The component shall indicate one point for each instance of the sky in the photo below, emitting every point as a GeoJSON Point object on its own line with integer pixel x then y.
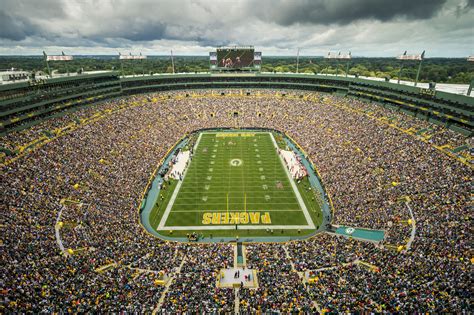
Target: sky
{"type": "Point", "coordinates": [372, 28]}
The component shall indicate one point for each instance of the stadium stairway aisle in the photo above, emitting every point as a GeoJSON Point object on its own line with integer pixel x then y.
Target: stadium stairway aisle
{"type": "Point", "coordinates": [237, 301]}
{"type": "Point", "coordinates": [168, 284]}
{"type": "Point", "coordinates": [300, 274]}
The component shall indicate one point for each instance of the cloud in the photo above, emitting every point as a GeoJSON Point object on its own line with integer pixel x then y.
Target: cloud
{"type": "Point", "coordinates": [138, 31]}
{"type": "Point", "coordinates": [14, 28]}
{"type": "Point", "coordinates": [366, 27]}
{"type": "Point", "coordinates": [342, 12]}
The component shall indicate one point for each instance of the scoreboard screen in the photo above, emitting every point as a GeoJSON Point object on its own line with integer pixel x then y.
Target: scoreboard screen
{"type": "Point", "coordinates": [235, 58]}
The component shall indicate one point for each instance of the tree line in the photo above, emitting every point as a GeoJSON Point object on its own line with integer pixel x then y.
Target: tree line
{"type": "Point", "coordinates": [441, 70]}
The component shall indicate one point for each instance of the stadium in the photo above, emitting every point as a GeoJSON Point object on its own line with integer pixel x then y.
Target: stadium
{"type": "Point", "coordinates": [234, 191]}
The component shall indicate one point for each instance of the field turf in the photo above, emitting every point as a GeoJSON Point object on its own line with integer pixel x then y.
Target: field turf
{"type": "Point", "coordinates": [237, 177]}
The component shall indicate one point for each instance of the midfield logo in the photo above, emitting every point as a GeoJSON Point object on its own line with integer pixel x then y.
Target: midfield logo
{"type": "Point", "coordinates": [236, 162]}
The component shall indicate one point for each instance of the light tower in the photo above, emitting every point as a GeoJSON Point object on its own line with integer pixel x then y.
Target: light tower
{"type": "Point", "coordinates": [297, 60]}
{"type": "Point", "coordinates": [62, 57]}
{"type": "Point", "coordinates": [340, 57]}
{"type": "Point", "coordinates": [172, 60]}
{"type": "Point", "coordinates": [130, 57]}
{"type": "Point", "coordinates": [403, 58]}
{"type": "Point", "coordinates": [471, 84]}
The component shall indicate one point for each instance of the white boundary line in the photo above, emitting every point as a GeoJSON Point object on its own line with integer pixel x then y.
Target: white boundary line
{"type": "Point", "coordinates": [164, 218]}
{"type": "Point", "coordinates": [310, 224]}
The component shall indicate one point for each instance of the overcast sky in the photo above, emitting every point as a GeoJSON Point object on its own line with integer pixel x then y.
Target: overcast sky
{"type": "Point", "coordinates": [444, 28]}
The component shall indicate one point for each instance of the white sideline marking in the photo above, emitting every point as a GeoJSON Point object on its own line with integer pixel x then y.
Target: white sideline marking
{"type": "Point", "coordinates": [175, 193]}
{"type": "Point", "coordinates": [295, 189]}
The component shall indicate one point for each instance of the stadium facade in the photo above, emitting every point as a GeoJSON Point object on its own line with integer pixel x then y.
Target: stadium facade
{"type": "Point", "coordinates": [28, 103]}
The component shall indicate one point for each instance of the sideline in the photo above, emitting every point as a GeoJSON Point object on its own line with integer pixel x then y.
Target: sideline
{"type": "Point", "coordinates": [164, 218]}
{"type": "Point", "coordinates": [295, 189]}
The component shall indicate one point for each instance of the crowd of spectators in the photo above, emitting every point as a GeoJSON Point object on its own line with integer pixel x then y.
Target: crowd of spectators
{"type": "Point", "coordinates": [373, 172]}
{"type": "Point", "coordinates": [194, 289]}
{"type": "Point", "coordinates": [280, 287]}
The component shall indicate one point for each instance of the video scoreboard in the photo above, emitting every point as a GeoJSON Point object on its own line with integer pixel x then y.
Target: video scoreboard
{"type": "Point", "coordinates": [235, 58]}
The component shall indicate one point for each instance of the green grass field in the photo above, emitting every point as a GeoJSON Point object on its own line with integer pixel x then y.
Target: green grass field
{"type": "Point", "coordinates": [236, 181]}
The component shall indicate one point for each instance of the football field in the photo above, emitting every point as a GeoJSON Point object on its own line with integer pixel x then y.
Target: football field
{"type": "Point", "coordinates": [235, 180]}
